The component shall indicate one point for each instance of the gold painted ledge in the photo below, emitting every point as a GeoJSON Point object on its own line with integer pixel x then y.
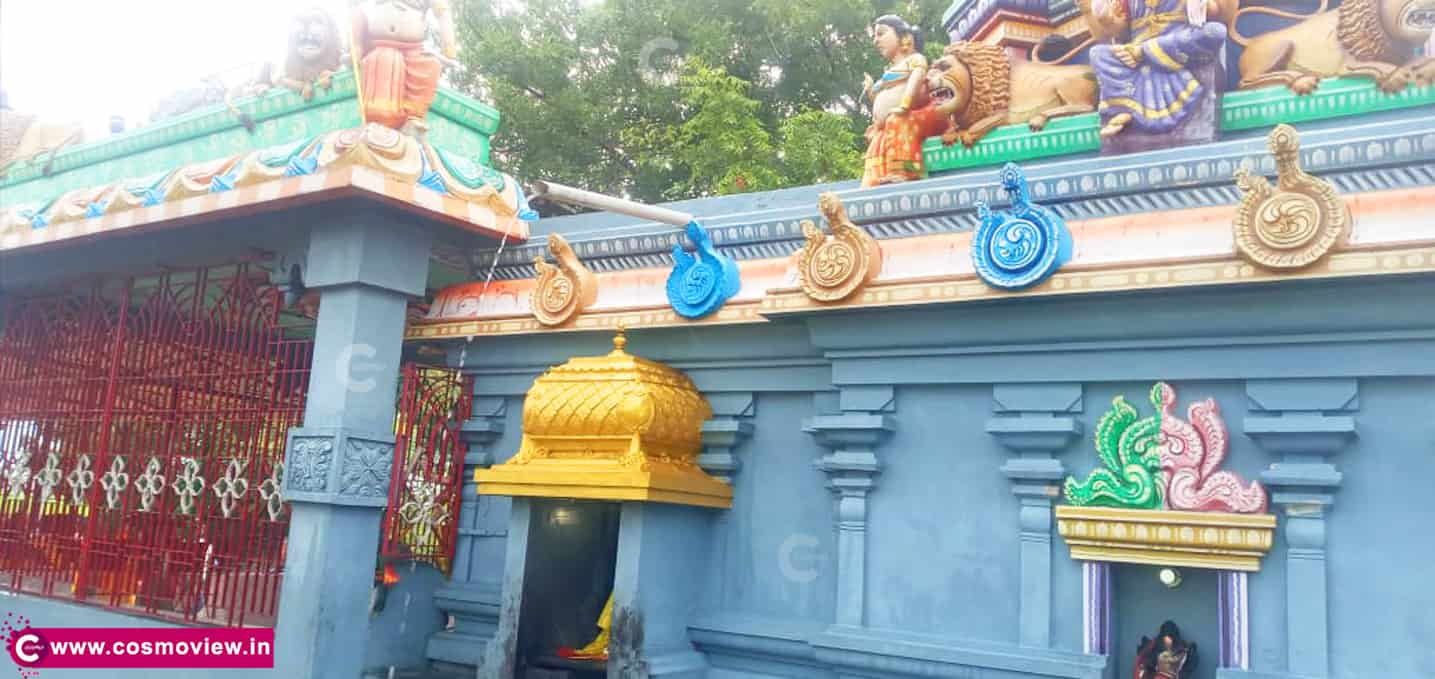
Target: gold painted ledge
{"type": "Point", "coordinates": [615, 427]}
{"type": "Point", "coordinates": [1233, 542]}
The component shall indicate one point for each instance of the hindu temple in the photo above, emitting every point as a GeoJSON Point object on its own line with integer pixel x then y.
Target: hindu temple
{"type": "Point", "coordinates": [1117, 360]}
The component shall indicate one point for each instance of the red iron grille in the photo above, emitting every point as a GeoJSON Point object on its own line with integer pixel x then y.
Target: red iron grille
{"type": "Point", "coordinates": [142, 433]}
{"type": "Point", "coordinates": [421, 523]}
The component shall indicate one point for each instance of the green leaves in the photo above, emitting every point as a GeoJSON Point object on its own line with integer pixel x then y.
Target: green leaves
{"type": "Point", "coordinates": [665, 99]}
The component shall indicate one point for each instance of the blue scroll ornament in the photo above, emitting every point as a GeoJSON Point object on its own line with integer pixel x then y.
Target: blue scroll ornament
{"type": "Point", "coordinates": [1023, 245]}
{"type": "Point", "coordinates": [699, 284]}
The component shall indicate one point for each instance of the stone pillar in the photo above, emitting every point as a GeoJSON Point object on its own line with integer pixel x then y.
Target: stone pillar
{"type": "Point", "coordinates": [656, 589]}
{"type": "Point", "coordinates": [1299, 420]}
{"type": "Point", "coordinates": [1034, 421]}
{"type": "Point", "coordinates": [338, 465]}
{"type": "Point", "coordinates": [500, 656]}
{"type": "Point", "coordinates": [852, 467]}
{"type": "Point", "coordinates": [474, 590]}
{"type": "Point", "coordinates": [729, 427]}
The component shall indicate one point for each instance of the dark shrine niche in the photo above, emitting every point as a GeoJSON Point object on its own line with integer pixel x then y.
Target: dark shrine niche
{"type": "Point", "coordinates": [1142, 603]}
{"type": "Point", "coordinates": [572, 551]}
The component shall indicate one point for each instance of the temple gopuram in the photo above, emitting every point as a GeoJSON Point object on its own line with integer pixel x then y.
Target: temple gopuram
{"type": "Point", "coordinates": [1117, 361]}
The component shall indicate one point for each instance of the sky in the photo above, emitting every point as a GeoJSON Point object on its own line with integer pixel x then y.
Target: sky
{"type": "Point", "coordinates": [85, 60]}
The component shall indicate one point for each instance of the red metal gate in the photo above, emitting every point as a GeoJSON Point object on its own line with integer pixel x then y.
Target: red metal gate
{"type": "Point", "coordinates": [142, 430]}
{"type": "Point", "coordinates": [421, 523]}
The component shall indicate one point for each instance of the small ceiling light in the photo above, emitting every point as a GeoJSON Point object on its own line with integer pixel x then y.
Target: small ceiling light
{"type": "Point", "coordinates": [1170, 577]}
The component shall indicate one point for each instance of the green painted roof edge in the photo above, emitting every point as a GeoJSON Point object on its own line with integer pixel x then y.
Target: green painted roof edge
{"type": "Point", "coordinates": [1241, 110]}
{"type": "Point", "coordinates": [211, 119]}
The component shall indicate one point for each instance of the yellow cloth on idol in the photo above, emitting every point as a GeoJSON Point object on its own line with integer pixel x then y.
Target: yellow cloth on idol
{"type": "Point", "coordinates": [598, 648]}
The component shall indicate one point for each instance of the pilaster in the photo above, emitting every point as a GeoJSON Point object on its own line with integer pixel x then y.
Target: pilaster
{"type": "Point", "coordinates": [338, 465]}
{"type": "Point", "coordinates": [1306, 422]}
{"type": "Point", "coordinates": [473, 593]}
{"type": "Point", "coordinates": [730, 426]}
{"type": "Point", "coordinates": [853, 438]}
{"type": "Point", "coordinates": [1035, 422]}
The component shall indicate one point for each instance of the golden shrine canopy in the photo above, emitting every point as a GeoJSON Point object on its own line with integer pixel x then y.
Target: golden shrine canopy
{"type": "Point", "coordinates": [615, 427]}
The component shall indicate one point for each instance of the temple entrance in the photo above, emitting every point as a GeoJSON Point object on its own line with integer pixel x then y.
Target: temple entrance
{"type": "Point", "coordinates": [572, 552]}
{"type": "Point", "coordinates": [610, 510]}
{"type": "Point", "coordinates": [1143, 603]}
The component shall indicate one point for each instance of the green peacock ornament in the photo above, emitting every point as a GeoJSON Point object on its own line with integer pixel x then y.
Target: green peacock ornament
{"type": "Point", "coordinates": [1130, 452]}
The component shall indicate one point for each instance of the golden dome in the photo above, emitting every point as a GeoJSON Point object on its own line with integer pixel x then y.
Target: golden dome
{"type": "Point", "coordinates": [614, 427]}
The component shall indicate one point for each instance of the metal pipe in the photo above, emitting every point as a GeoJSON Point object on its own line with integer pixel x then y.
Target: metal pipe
{"type": "Point", "coordinates": [597, 201]}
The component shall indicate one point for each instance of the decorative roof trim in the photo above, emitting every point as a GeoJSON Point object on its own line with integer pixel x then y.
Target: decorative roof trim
{"type": "Point", "coordinates": [456, 189]}
{"type": "Point", "coordinates": [1112, 255]}
{"type": "Point", "coordinates": [275, 195]}
{"type": "Point", "coordinates": [1380, 156]}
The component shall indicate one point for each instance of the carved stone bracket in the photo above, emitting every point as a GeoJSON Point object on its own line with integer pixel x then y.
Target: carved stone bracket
{"type": "Point", "coordinates": [1305, 422]}
{"type": "Point", "coordinates": [729, 427]}
{"type": "Point", "coordinates": [1294, 224]}
{"type": "Point", "coordinates": [337, 466]}
{"type": "Point", "coordinates": [481, 431]}
{"type": "Point", "coordinates": [1035, 422]}
{"type": "Point", "coordinates": [852, 438]}
{"type": "Point", "coordinates": [833, 267]}
{"type": "Point", "coordinates": [563, 290]}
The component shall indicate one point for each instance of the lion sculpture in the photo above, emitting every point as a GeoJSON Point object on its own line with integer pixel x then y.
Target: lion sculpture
{"type": "Point", "coordinates": [25, 137]}
{"type": "Point", "coordinates": [977, 88]}
{"type": "Point", "coordinates": [1377, 39]}
{"type": "Point", "coordinates": [314, 54]}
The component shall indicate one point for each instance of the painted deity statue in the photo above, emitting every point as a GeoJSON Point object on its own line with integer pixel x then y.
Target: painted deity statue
{"type": "Point", "coordinates": [1168, 656]}
{"type": "Point", "coordinates": [901, 118]}
{"type": "Point", "coordinates": [1147, 83]}
{"type": "Point", "coordinates": [399, 76]}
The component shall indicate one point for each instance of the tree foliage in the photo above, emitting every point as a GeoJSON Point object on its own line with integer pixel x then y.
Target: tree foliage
{"type": "Point", "coordinates": [669, 99]}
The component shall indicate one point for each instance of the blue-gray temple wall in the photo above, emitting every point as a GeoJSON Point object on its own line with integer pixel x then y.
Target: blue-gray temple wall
{"type": "Point", "coordinates": [942, 581]}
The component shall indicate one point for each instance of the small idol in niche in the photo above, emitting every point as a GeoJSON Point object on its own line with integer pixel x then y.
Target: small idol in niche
{"type": "Point", "coordinates": [1168, 656]}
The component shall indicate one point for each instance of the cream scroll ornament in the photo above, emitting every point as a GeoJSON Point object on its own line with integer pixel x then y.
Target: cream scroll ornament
{"type": "Point", "coordinates": [80, 479]}
{"type": "Point", "coordinates": [150, 484]}
{"type": "Point", "coordinates": [48, 477]}
{"type": "Point", "coordinates": [564, 290]}
{"type": "Point", "coordinates": [272, 493]}
{"type": "Point", "coordinates": [1295, 223]}
{"type": "Point", "coordinates": [833, 266]}
{"type": "Point", "coordinates": [114, 482]}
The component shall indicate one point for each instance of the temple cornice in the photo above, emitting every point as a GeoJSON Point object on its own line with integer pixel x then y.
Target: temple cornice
{"type": "Point", "coordinates": [1164, 250]}
{"type": "Point", "coordinates": [1394, 153]}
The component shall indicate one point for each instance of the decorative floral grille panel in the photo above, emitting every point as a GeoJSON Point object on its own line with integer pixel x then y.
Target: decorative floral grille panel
{"type": "Point", "coordinates": [142, 432]}
{"type": "Point", "coordinates": [421, 522]}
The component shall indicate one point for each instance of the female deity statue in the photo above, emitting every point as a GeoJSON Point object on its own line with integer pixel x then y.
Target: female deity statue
{"type": "Point", "coordinates": [399, 77]}
{"type": "Point", "coordinates": [894, 140]}
{"type": "Point", "coordinates": [1146, 82]}
{"type": "Point", "coordinates": [1168, 656]}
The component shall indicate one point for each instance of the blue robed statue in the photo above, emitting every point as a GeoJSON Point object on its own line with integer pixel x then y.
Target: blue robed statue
{"type": "Point", "coordinates": [1147, 82]}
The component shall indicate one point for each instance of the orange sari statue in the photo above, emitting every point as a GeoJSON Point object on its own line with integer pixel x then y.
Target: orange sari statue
{"type": "Point", "coordinates": [399, 77]}
{"type": "Point", "coordinates": [900, 118]}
